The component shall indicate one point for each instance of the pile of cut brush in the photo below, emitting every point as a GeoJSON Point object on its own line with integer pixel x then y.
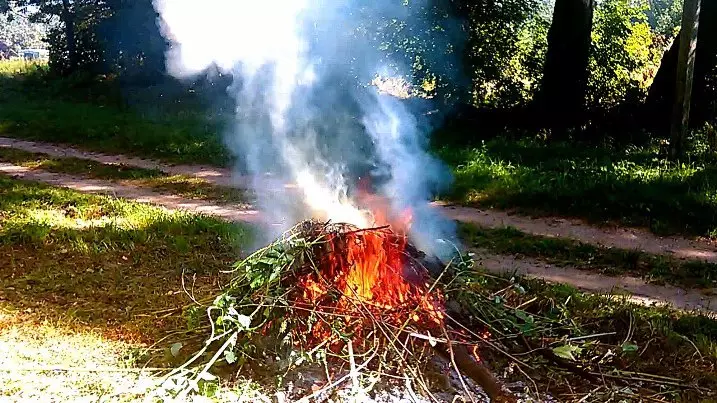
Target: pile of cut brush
{"type": "Point", "coordinates": [359, 301]}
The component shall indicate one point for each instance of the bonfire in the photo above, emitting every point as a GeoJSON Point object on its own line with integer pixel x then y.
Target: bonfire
{"type": "Point", "coordinates": [362, 300]}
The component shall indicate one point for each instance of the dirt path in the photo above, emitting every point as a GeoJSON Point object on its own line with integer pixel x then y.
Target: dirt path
{"type": "Point", "coordinates": [623, 238]}
{"type": "Point", "coordinates": [142, 195]}
{"type": "Point", "coordinates": [643, 292]}
{"type": "Point", "coordinates": [636, 289]}
{"type": "Point", "coordinates": [218, 176]}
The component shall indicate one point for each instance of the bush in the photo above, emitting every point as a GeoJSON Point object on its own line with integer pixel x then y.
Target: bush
{"type": "Point", "coordinates": [625, 56]}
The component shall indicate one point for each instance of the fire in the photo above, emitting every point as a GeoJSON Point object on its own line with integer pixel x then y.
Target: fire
{"type": "Point", "coordinates": [365, 275]}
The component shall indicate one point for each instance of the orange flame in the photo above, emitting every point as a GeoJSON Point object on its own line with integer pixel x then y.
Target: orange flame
{"type": "Point", "coordinates": [368, 271]}
{"type": "Point", "coordinates": [364, 276]}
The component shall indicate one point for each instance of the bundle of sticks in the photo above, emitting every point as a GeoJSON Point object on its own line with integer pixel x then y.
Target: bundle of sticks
{"type": "Point", "coordinates": [364, 297]}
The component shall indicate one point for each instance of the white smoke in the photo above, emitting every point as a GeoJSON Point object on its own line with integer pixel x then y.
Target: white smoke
{"type": "Point", "coordinates": [305, 114]}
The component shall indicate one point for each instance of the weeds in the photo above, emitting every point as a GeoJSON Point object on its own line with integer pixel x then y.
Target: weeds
{"type": "Point", "coordinates": [597, 331]}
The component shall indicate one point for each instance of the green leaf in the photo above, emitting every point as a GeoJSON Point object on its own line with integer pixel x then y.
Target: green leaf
{"type": "Point", "coordinates": [175, 349]}
{"type": "Point", "coordinates": [567, 352]}
{"type": "Point", "coordinates": [524, 316]}
{"type": "Point", "coordinates": [230, 357]}
{"type": "Point", "coordinates": [629, 347]}
{"type": "Point", "coordinates": [527, 328]}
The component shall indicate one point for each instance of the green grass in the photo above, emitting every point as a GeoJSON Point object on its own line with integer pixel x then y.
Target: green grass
{"type": "Point", "coordinates": [94, 282]}
{"type": "Point", "coordinates": [632, 187]}
{"type": "Point", "coordinates": [185, 186]}
{"type": "Point", "coordinates": [163, 122]}
{"type": "Point", "coordinates": [86, 247]}
{"type": "Point", "coordinates": [76, 166]}
{"type": "Point", "coordinates": [609, 261]}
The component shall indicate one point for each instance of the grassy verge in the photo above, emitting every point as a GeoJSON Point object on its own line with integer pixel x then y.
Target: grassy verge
{"type": "Point", "coordinates": [610, 261]}
{"type": "Point", "coordinates": [185, 186]}
{"type": "Point", "coordinates": [632, 187]}
{"type": "Point", "coordinates": [166, 121]}
{"type": "Point", "coordinates": [89, 284]}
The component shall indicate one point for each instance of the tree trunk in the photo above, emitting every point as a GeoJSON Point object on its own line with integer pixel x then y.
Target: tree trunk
{"type": "Point", "coordinates": [68, 20]}
{"type": "Point", "coordinates": [684, 77]}
{"type": "Point", "coordinates": [661, 97]}
{"type": "Point", "coordinates": [561, 101]}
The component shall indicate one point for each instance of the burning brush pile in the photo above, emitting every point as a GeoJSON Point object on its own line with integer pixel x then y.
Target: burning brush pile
{"type": "Point", "coordinates": [360, 301]}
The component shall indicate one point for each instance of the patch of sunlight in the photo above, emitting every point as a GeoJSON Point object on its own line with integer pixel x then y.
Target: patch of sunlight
{"type": "Point", "coordinates": [398, 87]}
{"type": "Point", "coordinates": [56, 218]}
{"type": "Point", "coordinates": [125, 216]}
{"type": "Point", "coordinates": [476, 196]}
{"type": "Point", "coordinates": [13, 67]}
{"type": "Point", "coordinates": [44, 362]}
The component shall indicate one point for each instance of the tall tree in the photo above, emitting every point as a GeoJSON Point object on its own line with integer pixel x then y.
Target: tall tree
{"type": "Point", "coordinates": [661, 98]}
{"type": "Point", "coordinates": [68, 20]}
{"type": "Point", "coordinates": [561, 101]}
{"type": "Point", "coordinates": [684, 76]}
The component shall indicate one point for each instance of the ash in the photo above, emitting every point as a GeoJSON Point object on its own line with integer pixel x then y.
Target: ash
{"type": "Point", "coordinates": [447, 389]}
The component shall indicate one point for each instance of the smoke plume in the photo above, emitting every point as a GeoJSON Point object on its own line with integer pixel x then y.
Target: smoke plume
{"type": "Point", "coordinates": [309, 128]}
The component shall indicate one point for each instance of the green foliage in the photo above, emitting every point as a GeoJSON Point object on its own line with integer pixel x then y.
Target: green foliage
{"type": "Point", "coordinates": [520, 76]}
{"type": "Point", "coordinates": [504, 52]}
{"type": "Point", "coordinates": [665, 16]}
{"type": "Point", "coordinates": [86, 16]}
{"type": "Point", "coordinates": [112, 36]}
{"type": "Point", "coordinates": [625, 54]}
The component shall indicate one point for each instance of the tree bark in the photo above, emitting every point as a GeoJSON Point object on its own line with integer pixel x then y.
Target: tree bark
{"type": "Point", "coordinates": [561, 101]}
{"type": "Point", "coordinates": [684, 77]}
{"type": "Point", "coordinates": [661, 97]}
{"type": "Point", "coordinates": [68, 20]}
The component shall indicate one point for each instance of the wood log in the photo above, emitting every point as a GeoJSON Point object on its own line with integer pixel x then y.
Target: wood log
{"type": "Point", "coordinates": [477, 371]}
